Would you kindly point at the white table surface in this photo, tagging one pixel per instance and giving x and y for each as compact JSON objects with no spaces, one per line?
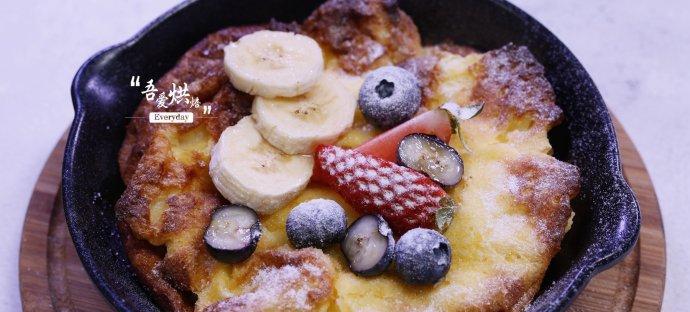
{"x":638,"y":53}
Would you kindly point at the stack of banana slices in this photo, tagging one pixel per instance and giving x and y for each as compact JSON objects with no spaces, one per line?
{"x":265,"y":159}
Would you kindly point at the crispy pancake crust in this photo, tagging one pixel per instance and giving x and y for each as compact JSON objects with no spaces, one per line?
{"x":364,"y":34}
{"x":273,"y":279}
{"x":512,"y":84}
{"x":150,"y":169}
{"x":169,"y":196}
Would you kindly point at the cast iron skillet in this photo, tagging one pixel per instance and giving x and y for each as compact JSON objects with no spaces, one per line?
{"x":607,"y":218}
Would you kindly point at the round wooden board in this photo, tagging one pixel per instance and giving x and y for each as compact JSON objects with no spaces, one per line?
{"x":52,"y":278}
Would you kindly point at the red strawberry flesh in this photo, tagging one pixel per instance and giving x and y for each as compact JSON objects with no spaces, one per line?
{"x":404,"y":197}
{"x":435,"y":122}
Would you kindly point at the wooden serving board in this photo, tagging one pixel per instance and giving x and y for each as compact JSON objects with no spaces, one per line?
{"x":52,"y":278}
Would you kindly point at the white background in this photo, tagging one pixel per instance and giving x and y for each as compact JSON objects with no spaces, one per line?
{"x":638,"y":53}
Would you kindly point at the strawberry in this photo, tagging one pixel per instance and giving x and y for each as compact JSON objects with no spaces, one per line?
{"x":434,"y":122}
{"x":440,"y":122}
{"x":404,"y":197}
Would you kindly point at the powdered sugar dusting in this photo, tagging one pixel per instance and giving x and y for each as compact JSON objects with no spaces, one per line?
{"x":375,"y":185}
{"x":383,"y":181}
{"x":271,"y":282}
{"x":512,"y":83}
{"x":545,"y":185}
{"x":283,"y":280}
{"x":317,"y":222}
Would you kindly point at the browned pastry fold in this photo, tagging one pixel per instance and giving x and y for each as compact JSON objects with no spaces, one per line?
{"x":273,"y":278}
{"x":364,"y":34}
{"x":511,"y":83}
{"x":152,"y":172}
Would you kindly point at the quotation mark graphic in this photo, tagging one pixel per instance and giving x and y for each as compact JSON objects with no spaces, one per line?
{"x":207,"y":109}
{"x":134,"y":82}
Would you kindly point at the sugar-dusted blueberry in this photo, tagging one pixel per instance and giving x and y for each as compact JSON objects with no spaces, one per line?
{"x":422,"y":256}
{"x":389,"y":96}
{"x":316,"y":223}
{"x":369,"y":245}
{"x":233,"y":233}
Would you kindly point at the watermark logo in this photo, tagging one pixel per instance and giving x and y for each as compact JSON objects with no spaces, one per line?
{"x":134,"y":82}
{"x":171,"y":117}
{"x":175,"y":96}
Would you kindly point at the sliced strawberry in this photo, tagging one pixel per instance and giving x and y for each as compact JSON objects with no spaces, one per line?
{"x":404,"y":197}
{"x":434,"y":122}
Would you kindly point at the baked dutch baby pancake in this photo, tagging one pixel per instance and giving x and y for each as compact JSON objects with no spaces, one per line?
{"x":344,"y":166}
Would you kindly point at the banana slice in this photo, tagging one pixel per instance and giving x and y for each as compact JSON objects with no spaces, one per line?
{"x":247,"y":170}
{"x":297,"y":125}
{"x":273,"y":63}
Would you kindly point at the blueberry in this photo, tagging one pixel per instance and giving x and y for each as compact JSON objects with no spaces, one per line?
{"x":316,"y":223}
{"x":422,"y":256}
{"x":233,"y":233}
{"x":389,"y":96}
{"x":368,"y":245}
{"x":430,"y":155}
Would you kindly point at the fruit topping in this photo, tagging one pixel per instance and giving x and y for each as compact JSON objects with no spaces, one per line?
{"x":233,"y":233}
{"x":368,"y":245}
{"x":389,"y":96}
{"x":430,"y":155}
{"x":441,"y":122}
{"x":422,"y":256}
{"x":463,"y":112}
{"x":248,"y":170}
{"x":434,"y":122}
{"x":297,"y":125}
{"x":459,"y":113}
{"x":273,"y":63}
{"x":404,"y":197}
{"x":316,"y":223}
